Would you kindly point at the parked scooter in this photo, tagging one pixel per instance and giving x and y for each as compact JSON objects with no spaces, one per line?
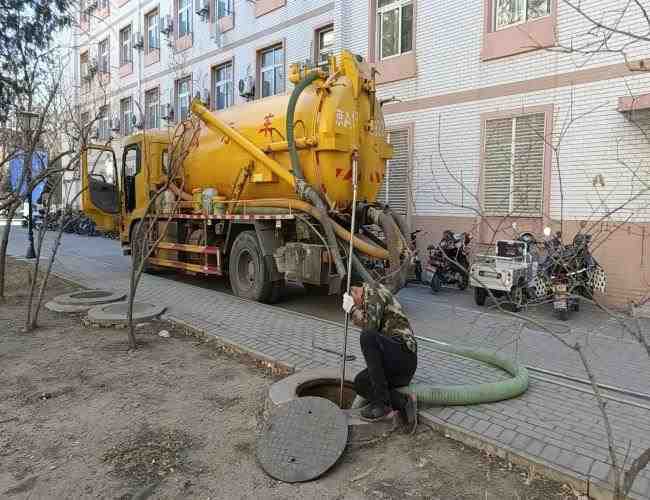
{"x":448,"y":262}
{"x":571,"y":272}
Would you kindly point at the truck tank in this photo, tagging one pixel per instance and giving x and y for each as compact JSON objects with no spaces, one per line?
{"x":333,"y":118}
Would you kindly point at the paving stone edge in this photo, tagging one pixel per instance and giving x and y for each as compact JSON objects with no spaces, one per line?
{"x":596,"y":490}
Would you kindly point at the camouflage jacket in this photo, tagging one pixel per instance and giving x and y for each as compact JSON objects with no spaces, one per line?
{"x":381,"y":312}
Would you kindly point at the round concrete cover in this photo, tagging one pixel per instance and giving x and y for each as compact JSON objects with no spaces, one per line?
{"x":64,"y":308}
{"x":117,"y":312}
{"x":89,"y":297}
{"x":302,"y":439}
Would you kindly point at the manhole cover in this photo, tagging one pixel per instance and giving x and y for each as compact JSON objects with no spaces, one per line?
{"x":89,"y":297}
{"x":302,"y":439}
{"x":116,"y":313}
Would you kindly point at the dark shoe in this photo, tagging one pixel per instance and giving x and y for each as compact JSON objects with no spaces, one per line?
{"x":374,"y":412}
{"x":410,"y":413}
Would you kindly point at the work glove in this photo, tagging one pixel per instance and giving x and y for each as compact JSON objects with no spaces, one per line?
{"x":348,"y":303}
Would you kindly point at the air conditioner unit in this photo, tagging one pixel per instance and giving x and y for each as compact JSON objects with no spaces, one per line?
{"x":115,"y":124}
{"x":247,"y":87}
{"x":167,"y":112}
{"x":202,"y":8}
{"x":137,"y":122}
{"x":137,"y":41}
{"x":92,"y":67}
{"x":167,"y":25}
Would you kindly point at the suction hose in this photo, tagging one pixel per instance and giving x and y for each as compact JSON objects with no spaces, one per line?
{"x":472,"y":394}
{"x":469,"y":394}
{"x":291,"y":114}
{"x":303,"y":189}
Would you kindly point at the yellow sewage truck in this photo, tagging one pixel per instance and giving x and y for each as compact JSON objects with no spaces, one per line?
{"x":265,"y":194}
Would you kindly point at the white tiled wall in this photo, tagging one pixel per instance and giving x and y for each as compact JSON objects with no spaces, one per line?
{"x":294,"y":24}
{"x":448,"y":44}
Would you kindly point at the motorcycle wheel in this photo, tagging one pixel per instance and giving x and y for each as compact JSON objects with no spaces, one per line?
{"x":436,"y":283}
{"x":516,"y":299}
{"x":480,"y":295}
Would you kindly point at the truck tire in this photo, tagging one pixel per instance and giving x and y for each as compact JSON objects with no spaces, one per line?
{"x":480,"y":295}
{"x":247,"y":269}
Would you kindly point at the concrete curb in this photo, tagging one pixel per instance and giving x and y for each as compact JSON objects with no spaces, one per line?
{"x":276,"y":366}
{"x":593,"y":489}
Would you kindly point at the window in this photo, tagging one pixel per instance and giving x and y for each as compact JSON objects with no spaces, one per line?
{"x":222,"y":92}
{"x":513,"y":166}
{"x":84,"y":13}
{"x":394,"y":190}
{"x":395,"y":27}
{"x":125,"y":46}
{"x":104,"y":56}
{"x":184,"y":17}
{"x":223,"y":8}
{"x":324,"y":44}
{"x":509,"y":12}
{"x":272,"y":71}
{"x":85,"y":72}
{"x":104,"y":123}
{"x":183,"y":96}
{"x":153,"y":31}
{"x":152,"y":108}
{"x":103,"y":4}
{"x":126,"y":116}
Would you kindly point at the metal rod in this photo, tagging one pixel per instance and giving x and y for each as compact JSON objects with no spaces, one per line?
{"x":355,"y":166}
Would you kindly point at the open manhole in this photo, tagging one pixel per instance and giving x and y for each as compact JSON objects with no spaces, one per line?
{"x":330,"y":389}
{"x":325,"y":383}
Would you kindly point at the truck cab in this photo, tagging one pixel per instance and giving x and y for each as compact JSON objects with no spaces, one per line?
{"x":117,"y":187}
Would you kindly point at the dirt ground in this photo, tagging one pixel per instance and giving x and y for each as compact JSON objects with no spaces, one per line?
{"x":82,"y":416}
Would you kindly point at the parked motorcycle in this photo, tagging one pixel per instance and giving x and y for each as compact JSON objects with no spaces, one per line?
{"x":415,"y":259}
{"x":570,"y":272}
{"x":448,"y":262}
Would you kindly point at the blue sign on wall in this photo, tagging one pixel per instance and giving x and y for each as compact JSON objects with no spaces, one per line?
{"x":17,"y":172}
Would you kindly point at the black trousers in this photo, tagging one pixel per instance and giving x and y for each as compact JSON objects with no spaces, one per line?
{"x":390,"y":365}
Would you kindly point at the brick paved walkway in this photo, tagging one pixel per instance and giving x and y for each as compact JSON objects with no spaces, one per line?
{"x":555,"y":424}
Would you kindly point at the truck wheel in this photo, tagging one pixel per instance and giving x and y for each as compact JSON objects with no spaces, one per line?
{"x":249,"y":276}
{"x":436,"y":284}
{"x":480,"y":295}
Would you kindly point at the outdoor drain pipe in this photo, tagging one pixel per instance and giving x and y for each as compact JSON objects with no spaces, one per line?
{"x":303,"y":189}
{"x":468,"y":394}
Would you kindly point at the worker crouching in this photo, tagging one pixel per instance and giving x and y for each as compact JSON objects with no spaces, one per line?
{"x":390,"y":350}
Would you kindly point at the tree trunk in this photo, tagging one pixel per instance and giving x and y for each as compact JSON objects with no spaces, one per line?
{"x":3,"y":248}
